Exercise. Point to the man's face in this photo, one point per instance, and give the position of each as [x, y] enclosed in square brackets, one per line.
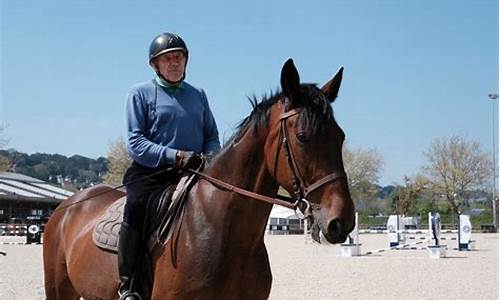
[171, 65]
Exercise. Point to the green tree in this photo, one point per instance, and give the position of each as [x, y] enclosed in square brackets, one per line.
[455, 166]
[5, 163]
[363, 168]
[41, 171]
[405, 197]
[118, 162]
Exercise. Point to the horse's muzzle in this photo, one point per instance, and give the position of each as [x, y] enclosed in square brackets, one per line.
[337, 231]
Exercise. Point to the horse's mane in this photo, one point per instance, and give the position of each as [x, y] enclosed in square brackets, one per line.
[316, 114]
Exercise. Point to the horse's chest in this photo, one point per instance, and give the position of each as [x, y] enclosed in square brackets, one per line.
[232, 277]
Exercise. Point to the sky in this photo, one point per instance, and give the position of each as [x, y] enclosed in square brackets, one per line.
[414, 70]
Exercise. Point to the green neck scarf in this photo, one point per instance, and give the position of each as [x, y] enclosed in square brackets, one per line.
[168, 86]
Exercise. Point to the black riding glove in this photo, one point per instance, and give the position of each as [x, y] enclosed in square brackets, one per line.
[187, 160]
[208, 157]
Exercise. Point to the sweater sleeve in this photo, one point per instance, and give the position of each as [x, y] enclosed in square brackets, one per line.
[211, 143]
[139, 147]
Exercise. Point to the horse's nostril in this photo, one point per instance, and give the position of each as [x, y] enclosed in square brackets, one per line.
[335, 229]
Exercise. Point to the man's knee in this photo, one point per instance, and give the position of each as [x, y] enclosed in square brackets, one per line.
[133, 213]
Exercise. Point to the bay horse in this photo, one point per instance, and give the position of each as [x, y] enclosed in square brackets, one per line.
[290, 139]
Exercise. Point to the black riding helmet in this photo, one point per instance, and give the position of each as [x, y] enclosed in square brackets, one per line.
[166, 42]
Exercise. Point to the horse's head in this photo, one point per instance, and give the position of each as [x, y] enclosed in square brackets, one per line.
[304, 153]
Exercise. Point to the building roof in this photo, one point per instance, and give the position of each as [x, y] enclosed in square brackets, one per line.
[15, 186]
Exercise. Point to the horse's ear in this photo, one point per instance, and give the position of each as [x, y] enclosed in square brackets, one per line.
[331, 88]
[290, 81]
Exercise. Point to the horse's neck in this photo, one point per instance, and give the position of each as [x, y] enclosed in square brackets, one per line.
[242, 164]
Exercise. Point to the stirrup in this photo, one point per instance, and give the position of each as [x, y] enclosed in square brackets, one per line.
[129, 295]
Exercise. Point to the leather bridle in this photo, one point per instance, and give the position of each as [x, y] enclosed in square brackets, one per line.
[300, 189]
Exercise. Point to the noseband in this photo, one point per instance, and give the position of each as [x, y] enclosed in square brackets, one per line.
[300, 189]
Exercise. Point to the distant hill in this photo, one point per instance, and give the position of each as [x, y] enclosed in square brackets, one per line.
[384, 191]
[76, 171]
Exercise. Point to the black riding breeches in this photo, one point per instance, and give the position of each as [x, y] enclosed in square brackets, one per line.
[139, 190]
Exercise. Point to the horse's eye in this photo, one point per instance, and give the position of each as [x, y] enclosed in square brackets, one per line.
[302, 137]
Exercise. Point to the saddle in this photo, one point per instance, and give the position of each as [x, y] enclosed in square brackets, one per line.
[164, 211]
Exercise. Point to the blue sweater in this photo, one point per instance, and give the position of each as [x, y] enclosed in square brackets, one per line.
[161, 121]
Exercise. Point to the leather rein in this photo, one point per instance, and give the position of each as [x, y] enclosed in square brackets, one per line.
[301, 190]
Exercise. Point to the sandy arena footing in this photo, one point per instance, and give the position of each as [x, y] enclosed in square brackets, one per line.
[312, 271]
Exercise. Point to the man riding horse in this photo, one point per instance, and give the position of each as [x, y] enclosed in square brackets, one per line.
[169, 124]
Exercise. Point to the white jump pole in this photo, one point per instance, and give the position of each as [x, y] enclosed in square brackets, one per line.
[352, 247]
[307, 236]
[398, 247]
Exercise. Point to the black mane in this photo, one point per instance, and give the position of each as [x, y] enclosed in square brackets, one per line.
[316, 113]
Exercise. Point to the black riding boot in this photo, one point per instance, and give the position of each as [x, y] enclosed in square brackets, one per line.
[128, 247]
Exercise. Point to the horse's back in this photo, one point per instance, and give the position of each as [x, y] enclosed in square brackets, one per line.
[76, 212]
[68, 245]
